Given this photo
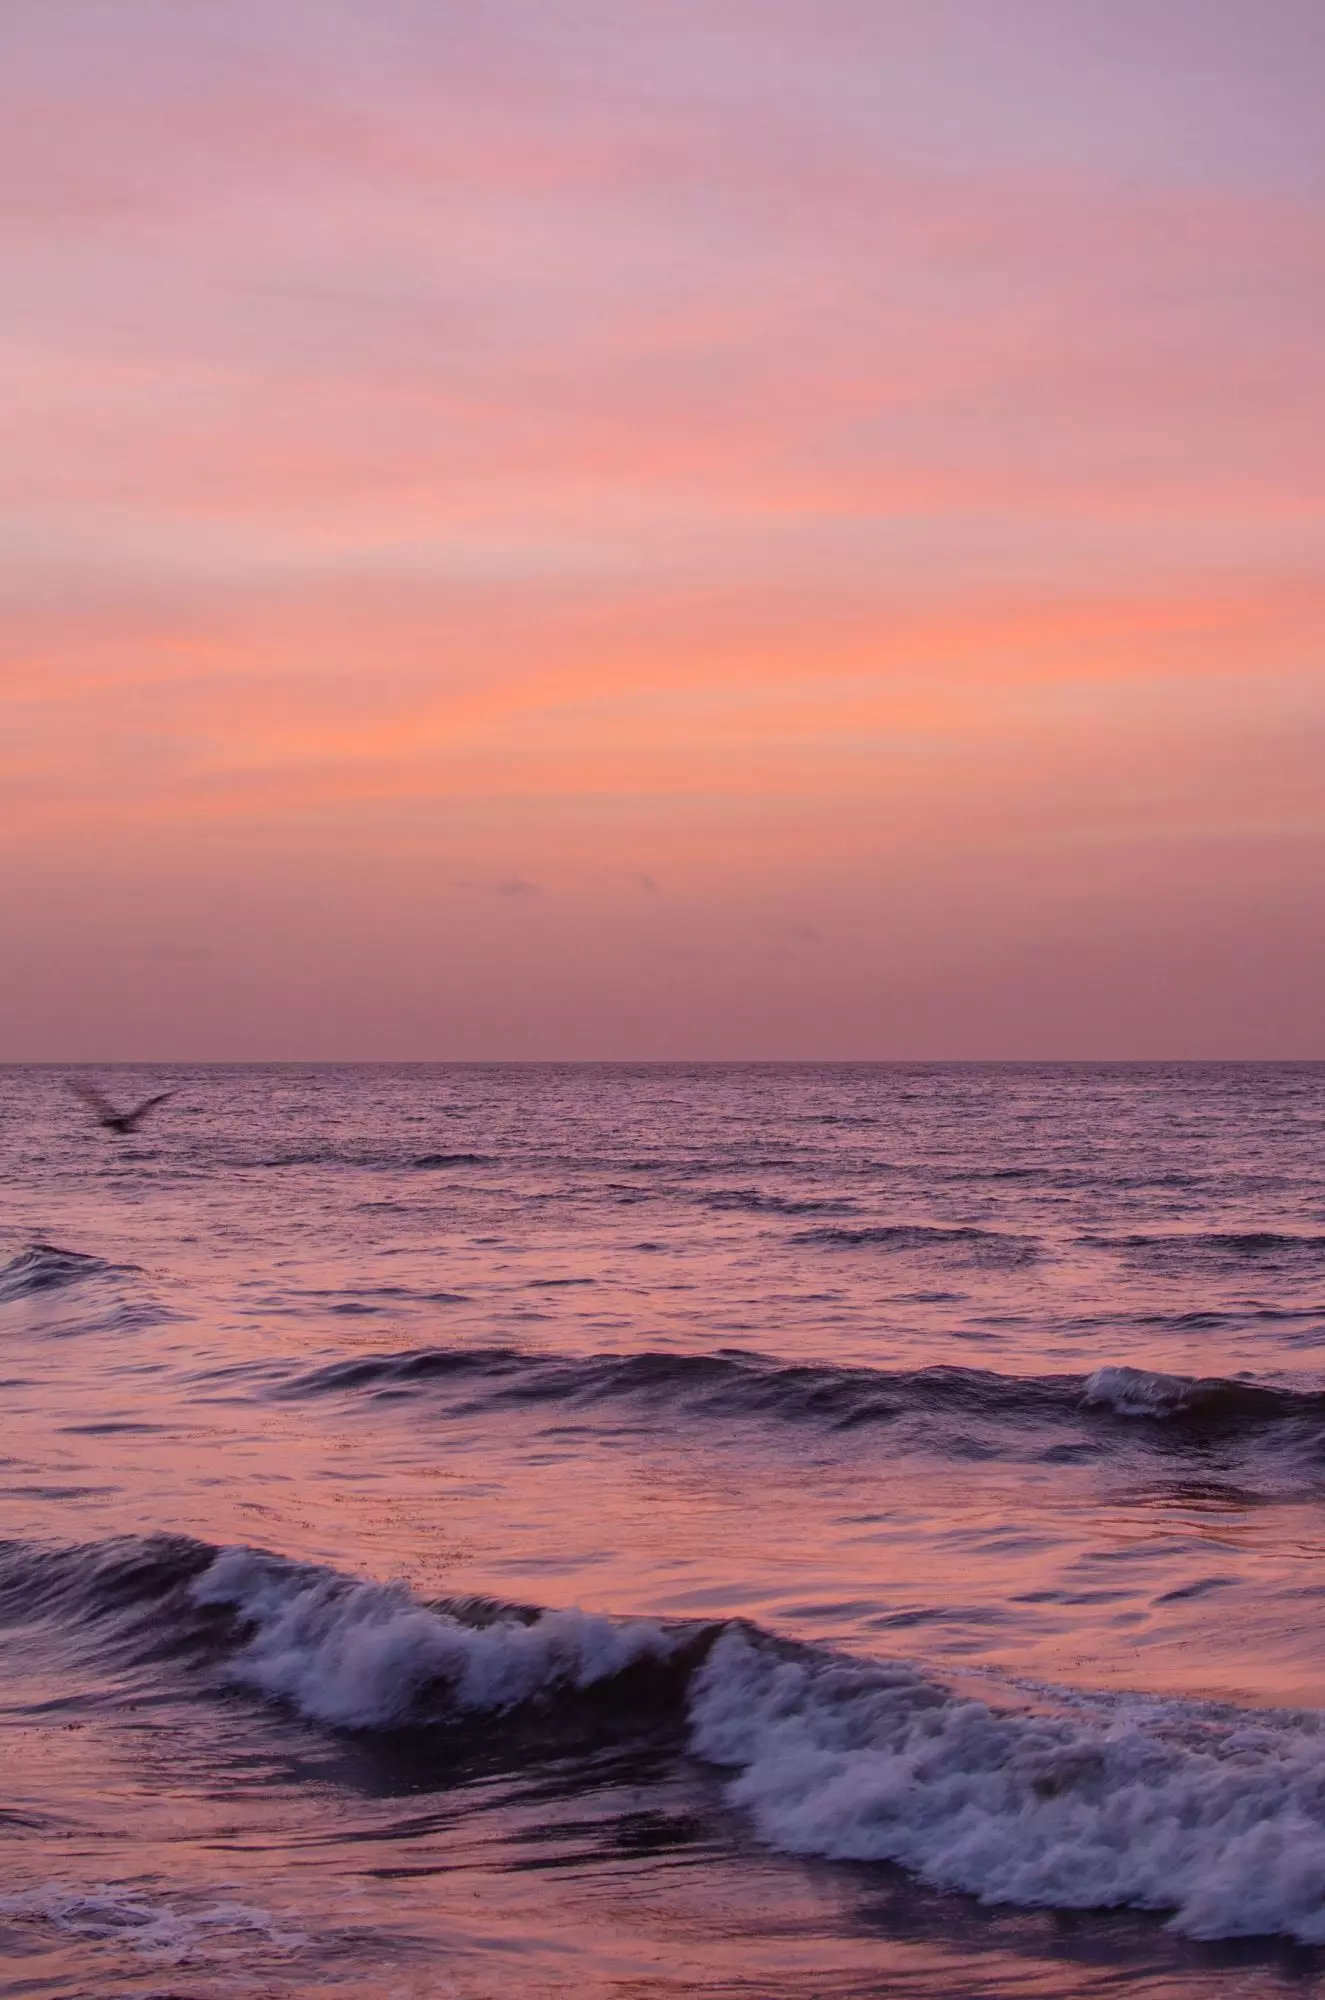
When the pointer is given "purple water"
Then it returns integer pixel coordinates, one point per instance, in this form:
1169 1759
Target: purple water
760 1530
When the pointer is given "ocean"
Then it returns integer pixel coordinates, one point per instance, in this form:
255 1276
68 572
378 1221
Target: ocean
800 1531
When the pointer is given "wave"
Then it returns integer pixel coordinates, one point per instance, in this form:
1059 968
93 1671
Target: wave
729 1383
369 1656
753 1201
367 1160
127 1596
984 1246
1145 1392
339 1650
1218 1821
43 1267
1214 1816
1228 1246
847 1118
926 1407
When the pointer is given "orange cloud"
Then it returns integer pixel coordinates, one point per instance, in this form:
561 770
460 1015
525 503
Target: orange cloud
752 453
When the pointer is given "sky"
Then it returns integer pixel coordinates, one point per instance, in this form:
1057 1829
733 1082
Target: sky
662 529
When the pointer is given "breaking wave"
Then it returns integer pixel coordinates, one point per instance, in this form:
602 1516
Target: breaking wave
1213 1816
341 1651
356 1655
1145 1392
1218 1821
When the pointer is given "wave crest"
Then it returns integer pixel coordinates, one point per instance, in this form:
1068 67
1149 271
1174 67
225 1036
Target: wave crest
878 1764
730 1383
932 1405
982 1246
1216 1247
369 1656
44 1267
1145 1392
1215 1815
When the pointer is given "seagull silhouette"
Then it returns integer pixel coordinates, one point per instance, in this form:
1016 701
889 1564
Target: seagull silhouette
122 1122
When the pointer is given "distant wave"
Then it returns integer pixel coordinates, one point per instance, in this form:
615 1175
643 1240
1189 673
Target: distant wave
931 1404
43 1267
757 1203
730 1383
1221 1246
370 1162
1212 1816
986 1246
848 1118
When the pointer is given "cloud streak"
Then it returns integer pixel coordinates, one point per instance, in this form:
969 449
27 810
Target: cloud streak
775 451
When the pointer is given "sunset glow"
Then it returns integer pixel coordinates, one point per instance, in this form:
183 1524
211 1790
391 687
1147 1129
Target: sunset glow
565 529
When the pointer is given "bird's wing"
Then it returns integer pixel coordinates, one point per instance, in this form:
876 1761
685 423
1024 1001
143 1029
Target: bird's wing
148 1104
93 1097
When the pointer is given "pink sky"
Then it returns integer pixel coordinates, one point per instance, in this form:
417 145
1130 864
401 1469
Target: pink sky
557 528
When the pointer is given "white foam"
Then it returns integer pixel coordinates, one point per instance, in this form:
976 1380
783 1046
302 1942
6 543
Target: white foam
1226 1831
1213 1816
368 1656
158 1930
1137 1392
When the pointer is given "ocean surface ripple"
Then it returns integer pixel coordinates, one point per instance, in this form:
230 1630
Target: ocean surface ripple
762 1530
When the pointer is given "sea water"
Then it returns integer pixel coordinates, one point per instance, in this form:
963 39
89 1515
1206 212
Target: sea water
782 1530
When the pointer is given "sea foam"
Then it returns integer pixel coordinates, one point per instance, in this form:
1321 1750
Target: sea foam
1215 1817
175 1932
1225 1830
360 1655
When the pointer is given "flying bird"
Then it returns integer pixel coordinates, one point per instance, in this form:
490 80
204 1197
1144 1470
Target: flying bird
122 1122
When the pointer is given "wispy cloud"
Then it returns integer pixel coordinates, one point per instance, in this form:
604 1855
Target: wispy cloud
507 885
837 474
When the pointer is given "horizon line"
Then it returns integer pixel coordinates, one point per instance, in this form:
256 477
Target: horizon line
659 1062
